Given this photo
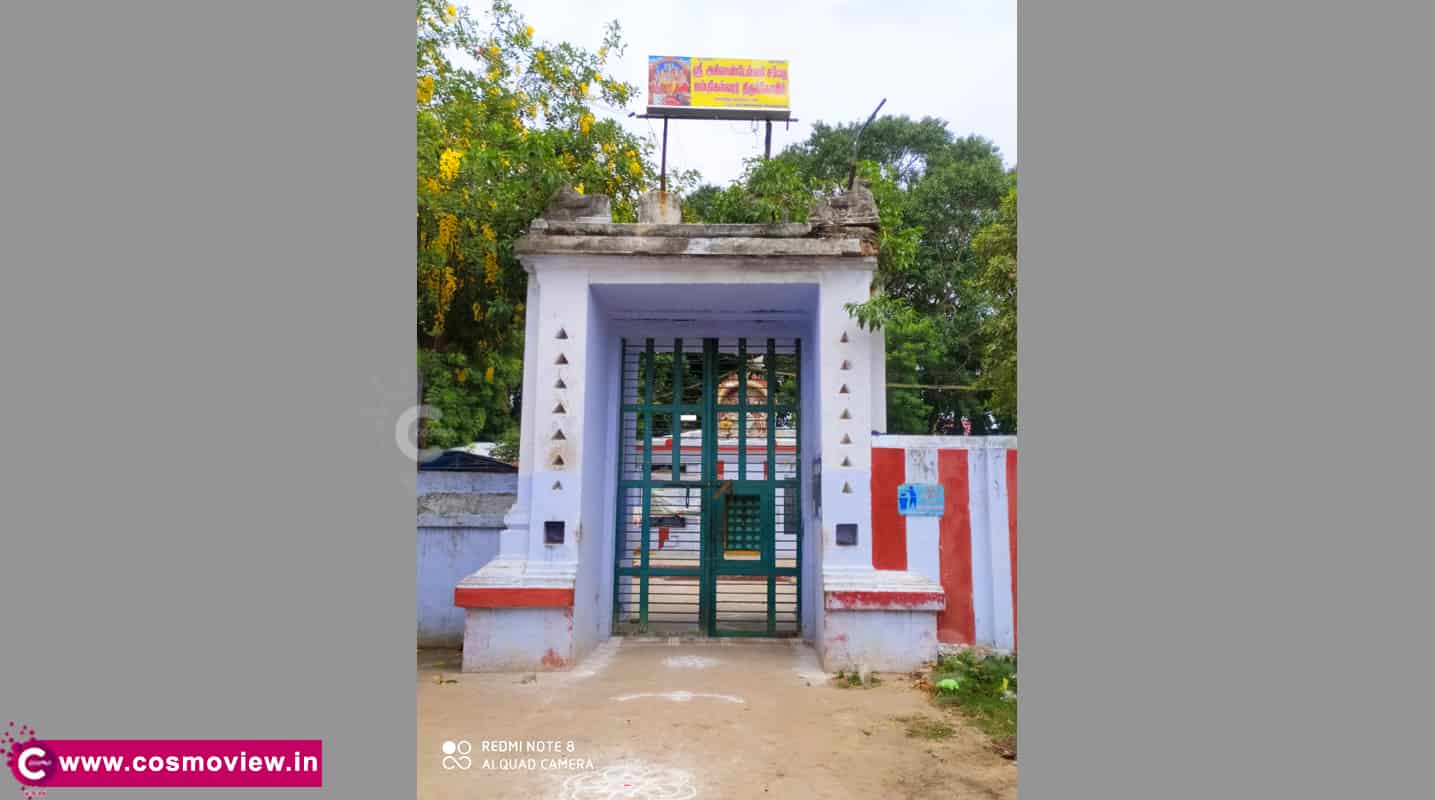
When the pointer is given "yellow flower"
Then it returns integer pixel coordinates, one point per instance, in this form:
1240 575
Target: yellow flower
425 89
603 52
447 232
583 89
490 268
538 56
448 164
635 168
607 148
449 11
585 122
488 374
488 233
450 286
462 376
494 74
493 204
529 30
433 185
578 188
477 313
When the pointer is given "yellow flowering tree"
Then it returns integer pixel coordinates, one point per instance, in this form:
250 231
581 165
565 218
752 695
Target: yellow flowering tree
504 120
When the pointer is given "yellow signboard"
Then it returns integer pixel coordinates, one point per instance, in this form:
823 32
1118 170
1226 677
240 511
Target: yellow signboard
678 83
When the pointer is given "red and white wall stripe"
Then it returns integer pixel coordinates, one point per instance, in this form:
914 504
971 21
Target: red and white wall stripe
971 548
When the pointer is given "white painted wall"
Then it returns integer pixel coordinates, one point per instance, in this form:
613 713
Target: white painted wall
593 589
923 533
885 641
716 296
991 542
990 534
849 439
809 424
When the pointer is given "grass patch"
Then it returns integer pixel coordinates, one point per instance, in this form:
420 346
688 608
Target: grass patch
920 727
853 680
982 686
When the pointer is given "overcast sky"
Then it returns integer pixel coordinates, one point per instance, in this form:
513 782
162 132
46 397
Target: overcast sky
953 59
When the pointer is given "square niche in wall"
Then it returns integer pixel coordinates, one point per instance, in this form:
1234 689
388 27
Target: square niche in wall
553 532
847 533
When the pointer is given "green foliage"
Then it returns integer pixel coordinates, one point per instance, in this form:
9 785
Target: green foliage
494 143
983 687
506 448
466 401
853 680
774 190
948 318
995 284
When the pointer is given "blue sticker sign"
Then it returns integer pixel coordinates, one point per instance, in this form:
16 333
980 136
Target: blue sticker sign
920 500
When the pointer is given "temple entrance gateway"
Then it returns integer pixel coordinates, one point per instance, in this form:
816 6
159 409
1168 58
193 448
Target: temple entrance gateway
696 454
709 523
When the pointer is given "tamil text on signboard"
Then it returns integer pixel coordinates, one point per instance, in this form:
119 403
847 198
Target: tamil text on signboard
734 87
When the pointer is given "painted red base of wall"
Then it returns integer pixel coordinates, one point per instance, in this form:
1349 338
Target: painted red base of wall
893 600
471 597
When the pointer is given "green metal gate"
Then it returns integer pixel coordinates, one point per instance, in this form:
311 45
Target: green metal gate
709 523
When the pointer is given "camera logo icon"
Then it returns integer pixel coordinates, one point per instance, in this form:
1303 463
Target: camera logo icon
456 754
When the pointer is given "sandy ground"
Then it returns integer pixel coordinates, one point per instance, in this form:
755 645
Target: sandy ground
672 720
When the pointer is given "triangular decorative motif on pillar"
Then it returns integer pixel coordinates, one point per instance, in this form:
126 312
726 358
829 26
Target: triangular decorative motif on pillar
559 409
846 462
846 364
562 334
844 337
843 390
558 437
558 461
562 359
558 486
846 414
846 488
560 384
846 439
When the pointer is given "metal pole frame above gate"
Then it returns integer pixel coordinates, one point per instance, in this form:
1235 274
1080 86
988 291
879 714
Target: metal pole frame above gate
766 117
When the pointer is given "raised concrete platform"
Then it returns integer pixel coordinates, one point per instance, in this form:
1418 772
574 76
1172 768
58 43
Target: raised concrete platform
883 620
517 618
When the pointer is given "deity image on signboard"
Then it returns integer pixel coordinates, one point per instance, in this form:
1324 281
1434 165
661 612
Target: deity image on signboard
669 81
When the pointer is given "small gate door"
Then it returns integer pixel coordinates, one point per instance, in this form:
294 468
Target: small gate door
709 532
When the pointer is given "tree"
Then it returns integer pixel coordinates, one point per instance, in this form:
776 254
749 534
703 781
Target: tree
494 143
995 283
934 193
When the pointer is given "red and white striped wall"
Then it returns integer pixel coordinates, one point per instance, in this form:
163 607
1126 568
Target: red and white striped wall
971 548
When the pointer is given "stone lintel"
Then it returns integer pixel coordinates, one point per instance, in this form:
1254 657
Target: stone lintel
536 243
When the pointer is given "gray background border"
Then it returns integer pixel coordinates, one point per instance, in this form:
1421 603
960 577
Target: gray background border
1225 343
208 331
